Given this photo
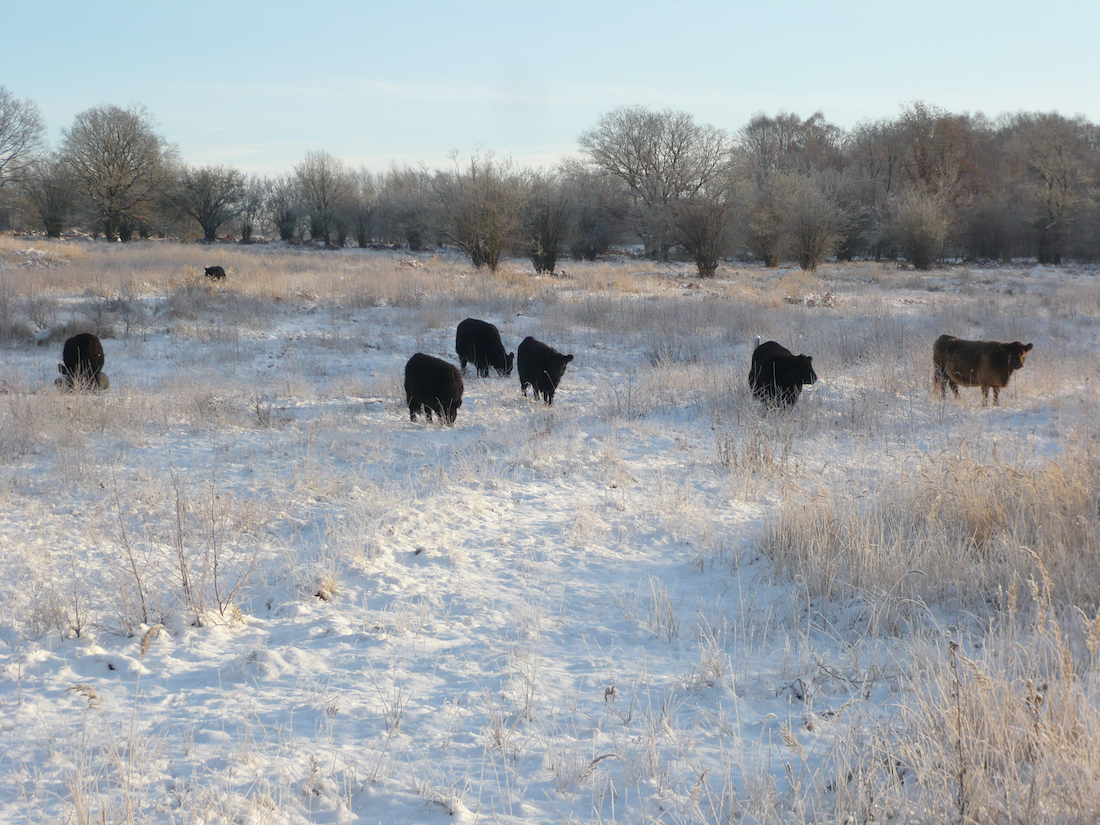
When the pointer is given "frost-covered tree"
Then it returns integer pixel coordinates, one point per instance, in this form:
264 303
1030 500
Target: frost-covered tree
404 205
121 164
480 206
813 220
666 161
362 203
325 189
283 206
211 195
547 220
50 194
252 208
21 137
679 175
1057 161
919 223
600 205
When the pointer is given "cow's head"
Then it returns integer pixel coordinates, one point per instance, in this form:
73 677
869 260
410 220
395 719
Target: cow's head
805 369
559 364
1016 353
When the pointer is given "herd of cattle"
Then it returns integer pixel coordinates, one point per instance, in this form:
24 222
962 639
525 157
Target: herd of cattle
776 375
435 385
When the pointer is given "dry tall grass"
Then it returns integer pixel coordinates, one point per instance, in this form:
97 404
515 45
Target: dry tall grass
956 532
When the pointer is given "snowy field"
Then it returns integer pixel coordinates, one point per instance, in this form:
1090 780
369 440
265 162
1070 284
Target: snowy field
242 587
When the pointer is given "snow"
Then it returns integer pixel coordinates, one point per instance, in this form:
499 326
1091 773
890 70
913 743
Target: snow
538 615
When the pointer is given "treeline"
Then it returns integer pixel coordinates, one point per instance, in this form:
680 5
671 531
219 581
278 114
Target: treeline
925 186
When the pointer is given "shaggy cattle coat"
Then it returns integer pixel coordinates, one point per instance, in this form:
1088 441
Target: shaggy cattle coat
433 385
82 364
987 364
214 273
479 342
540 367
777 376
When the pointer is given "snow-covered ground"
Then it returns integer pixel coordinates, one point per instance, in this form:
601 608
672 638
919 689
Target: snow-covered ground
241 586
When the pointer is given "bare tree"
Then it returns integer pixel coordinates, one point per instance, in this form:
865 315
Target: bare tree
812 223
481 206
875 150
938 156
547 221
253 202
1057 163
600 204
762 218
283 206
50 193
362 203
919 225
211 195
665 160
769 144
705 229
404 204
325 189
21 137
120 163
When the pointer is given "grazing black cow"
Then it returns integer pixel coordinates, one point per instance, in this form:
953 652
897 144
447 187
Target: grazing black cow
777 376
433 385
987 364
541 367
479 342
82 364
215 273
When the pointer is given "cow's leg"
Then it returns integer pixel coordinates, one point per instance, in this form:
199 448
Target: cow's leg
996 397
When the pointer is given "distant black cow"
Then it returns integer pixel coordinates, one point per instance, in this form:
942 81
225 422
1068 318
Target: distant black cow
987 364
433 385
777 376
541 367
479 342
215 273
82 364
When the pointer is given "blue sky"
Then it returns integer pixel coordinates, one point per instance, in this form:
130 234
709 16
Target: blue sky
259 84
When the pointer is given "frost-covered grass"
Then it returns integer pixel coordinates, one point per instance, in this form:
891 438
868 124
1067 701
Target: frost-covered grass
241 586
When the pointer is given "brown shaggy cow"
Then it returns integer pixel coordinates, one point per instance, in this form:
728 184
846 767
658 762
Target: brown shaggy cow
985 364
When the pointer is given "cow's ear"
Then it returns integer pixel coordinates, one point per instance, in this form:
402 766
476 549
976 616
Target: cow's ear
568 358
1027 347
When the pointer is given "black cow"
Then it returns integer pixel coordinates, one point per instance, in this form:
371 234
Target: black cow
214 273
777 376
541 367
82 364
433 385
479 342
